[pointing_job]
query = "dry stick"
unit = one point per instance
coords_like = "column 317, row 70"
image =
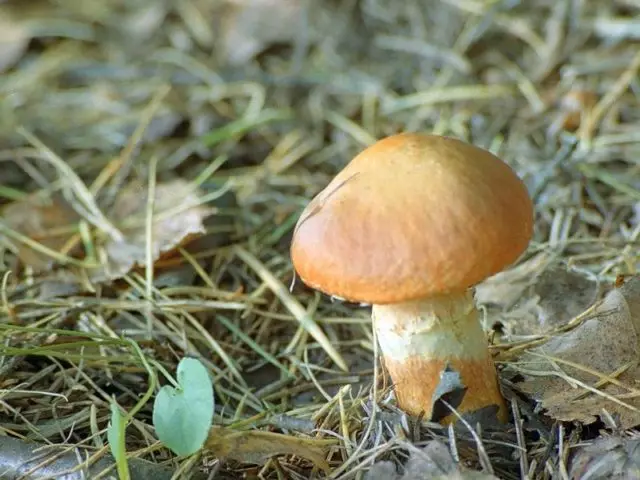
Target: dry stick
column 149, row 271
column 344, row 427
column 594, row 117
column 517, row 420
column 453, row 443
column 294, row 307
column 605, row 379
column 561, row 454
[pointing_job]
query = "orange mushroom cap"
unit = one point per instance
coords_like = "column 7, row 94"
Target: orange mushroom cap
column 411, row 216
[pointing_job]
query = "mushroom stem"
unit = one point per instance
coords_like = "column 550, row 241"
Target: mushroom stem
column 419, row 338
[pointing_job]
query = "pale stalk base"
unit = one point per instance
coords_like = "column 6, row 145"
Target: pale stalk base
column 417, row 340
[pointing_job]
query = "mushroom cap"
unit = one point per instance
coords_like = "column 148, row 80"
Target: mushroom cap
column 412, row 216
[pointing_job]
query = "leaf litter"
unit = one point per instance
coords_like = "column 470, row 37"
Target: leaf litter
column 577, row 374
column 536, row 297
column 178, row 216
column 258, row 447
column 586, row 354
column 549, row 87
column 47, row 222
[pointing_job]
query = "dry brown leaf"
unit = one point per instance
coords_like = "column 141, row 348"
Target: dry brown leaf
column 605, row 342
column 178, row 218
column 250, row 26
column 506, row 288
column 48, row 221
column 256, row 446
column 536, row 296
column 562, row 295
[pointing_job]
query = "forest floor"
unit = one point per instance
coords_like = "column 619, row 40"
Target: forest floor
column 155, row 157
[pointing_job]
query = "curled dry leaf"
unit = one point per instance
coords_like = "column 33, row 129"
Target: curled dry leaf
column 561, row 295
column 536, row 296
column 503, row 290
column 178, row 217
column 256, row 446
column 433, row 461
column 604, row 344
column 50, row 222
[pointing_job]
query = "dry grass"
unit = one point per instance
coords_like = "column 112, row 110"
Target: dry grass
column 110, row 91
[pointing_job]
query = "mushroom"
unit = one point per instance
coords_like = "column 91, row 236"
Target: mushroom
column 410, row 226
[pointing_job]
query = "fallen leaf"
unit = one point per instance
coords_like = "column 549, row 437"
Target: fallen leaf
column 504, row 289
column 450, row 389
column 256, row 446
column 433, row 461
column 250, row 26
column 603, row 343
column 59, row 284
column 51, row 222
column 536, row 296
column 20, row 458
column 562, row 295
column 178, row 218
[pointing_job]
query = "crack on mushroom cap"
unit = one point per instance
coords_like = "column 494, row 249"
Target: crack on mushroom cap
column 318, row 202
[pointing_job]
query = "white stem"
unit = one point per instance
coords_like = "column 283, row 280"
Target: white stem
column 419, row 339
column 437, row 327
